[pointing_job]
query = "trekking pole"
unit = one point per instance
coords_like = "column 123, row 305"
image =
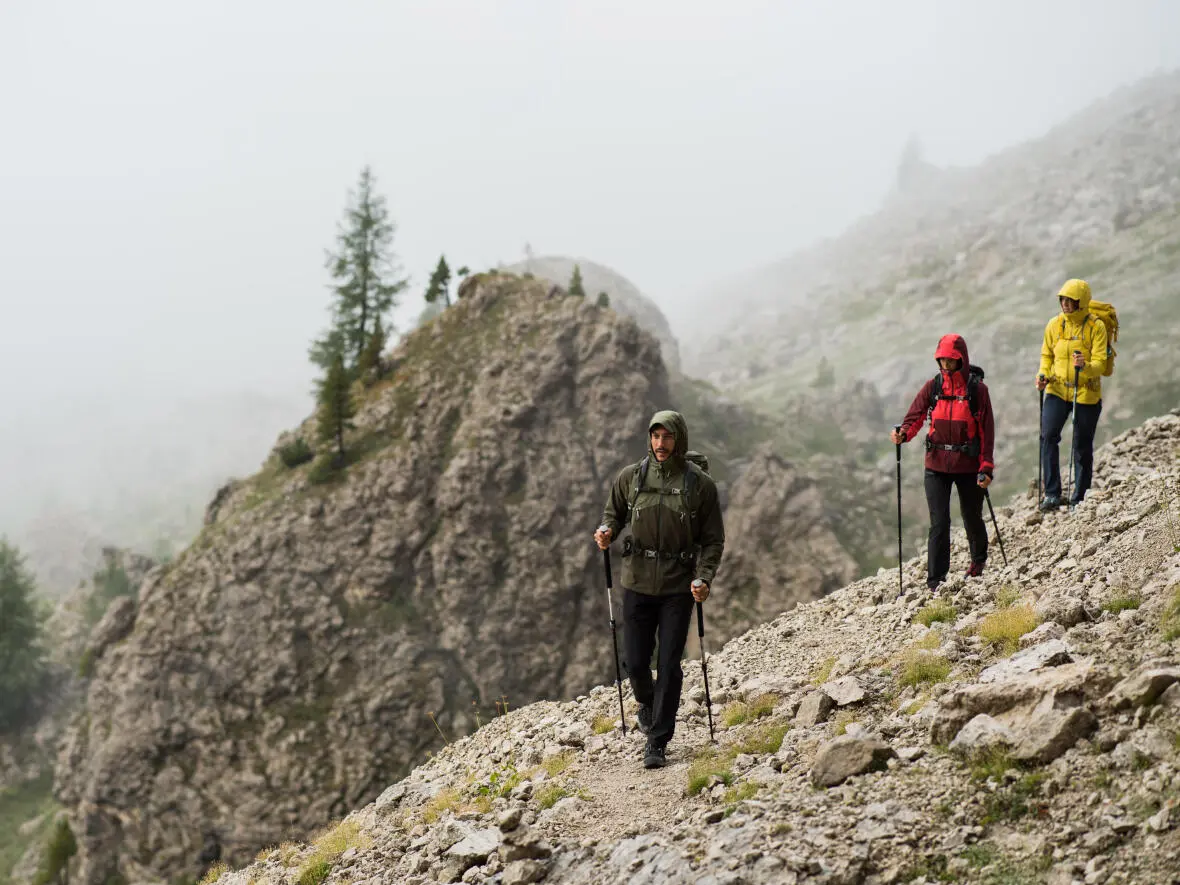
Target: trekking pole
column 987, row 497
column 610, row 607
column 705, row 668
column 900, row 584
column 1073, row 443
column 1040, row 447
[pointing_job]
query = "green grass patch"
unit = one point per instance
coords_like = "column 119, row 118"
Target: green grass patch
column 1123, row 602
column 739, row 712
column 602, row 724
column 1004, row 628
column 215, row 872
column 821, row 673
column 939, row 610
column 327, row 848
column 1170, row 619
column 990, row 763
column 550, row 794
column 760, row 740
column 1006, row 596
column 1016, row 801
column 503, row 781
column 18, row 805
column 707, row 766
column 558, row 763
column 920, row 665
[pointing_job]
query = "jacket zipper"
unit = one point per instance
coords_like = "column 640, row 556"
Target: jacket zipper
column 659, row 532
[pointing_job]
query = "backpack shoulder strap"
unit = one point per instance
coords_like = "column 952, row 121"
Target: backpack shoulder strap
column 935, row 393
column 640, row 479
column 690, row 482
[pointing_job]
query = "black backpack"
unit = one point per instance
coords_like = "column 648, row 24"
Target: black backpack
column 693, row 461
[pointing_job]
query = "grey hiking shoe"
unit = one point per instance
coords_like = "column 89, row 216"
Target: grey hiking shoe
column 1051, row 502
column 643, row 718
column 653, row 756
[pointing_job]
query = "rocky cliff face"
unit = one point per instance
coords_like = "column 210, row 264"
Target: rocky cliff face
column 1021, row 727
column 625, row 296
column 317, row 640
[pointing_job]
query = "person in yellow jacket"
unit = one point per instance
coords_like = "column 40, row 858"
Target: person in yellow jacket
column 1073, row 352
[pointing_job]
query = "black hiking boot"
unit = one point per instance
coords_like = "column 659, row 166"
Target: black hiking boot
column 1050, row 502
column 653, row 756
column 643, row 719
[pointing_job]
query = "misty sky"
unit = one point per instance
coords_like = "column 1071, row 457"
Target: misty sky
column 170, row 173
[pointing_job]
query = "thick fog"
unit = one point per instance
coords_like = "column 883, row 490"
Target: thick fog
column 171, row 173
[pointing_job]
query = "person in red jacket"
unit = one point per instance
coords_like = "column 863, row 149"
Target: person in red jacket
column 959, row 449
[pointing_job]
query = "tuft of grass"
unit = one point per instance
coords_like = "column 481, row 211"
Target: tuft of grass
column 214, row 873
column 1123, row 602
column 980, row 855
column 327, row 848
column 705, row 767
column 287, row 852
column 1016, row 801
column 447, row 799
column 555, row 765
column 765, row 739
column 735, row 714
column 920, row 666
column 821, row 673
column 482, row 804
column 602, row 724
column 1170, row 620
column 939, row 610
column 503, row 781
column 991, row 763
column 1006, row 596
column 1004, row 628
column 841, row 722
column 550, row 794
column 314, row 872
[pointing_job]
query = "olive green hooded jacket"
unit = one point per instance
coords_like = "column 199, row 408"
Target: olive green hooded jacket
column 660, row 561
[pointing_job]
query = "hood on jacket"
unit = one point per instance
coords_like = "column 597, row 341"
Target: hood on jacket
column 674, row 422
column 953, row 347
column 1079, row 291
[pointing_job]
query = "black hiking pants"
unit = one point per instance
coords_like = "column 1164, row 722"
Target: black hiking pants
column 938, row 499
column 646, row 619
column 1056, row 415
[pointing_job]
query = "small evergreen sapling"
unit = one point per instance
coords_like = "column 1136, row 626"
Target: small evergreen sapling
column 336, row 408
column 576, row 288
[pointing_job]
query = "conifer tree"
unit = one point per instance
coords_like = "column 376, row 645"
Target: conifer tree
column 575, row 287
column 440, row 283
column 603, row 300
column 370, row 361
column 22, row 657
column 366, row 277
column 336, row 407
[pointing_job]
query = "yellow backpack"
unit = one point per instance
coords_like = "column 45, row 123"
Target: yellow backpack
column 1105, row 313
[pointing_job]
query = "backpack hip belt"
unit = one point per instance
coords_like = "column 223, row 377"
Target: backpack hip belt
column 970, row 448
column 630, row 547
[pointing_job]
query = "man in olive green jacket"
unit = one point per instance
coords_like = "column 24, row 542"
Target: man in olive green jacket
column 668, row 563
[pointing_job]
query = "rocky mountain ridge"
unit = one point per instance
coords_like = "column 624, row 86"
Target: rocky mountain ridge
column 1022, row 727
column 317, row 640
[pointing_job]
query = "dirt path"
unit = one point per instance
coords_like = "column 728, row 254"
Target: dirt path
column 627, row 798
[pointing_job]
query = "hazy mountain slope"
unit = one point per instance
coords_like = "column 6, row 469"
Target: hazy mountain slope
column 982, row 252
